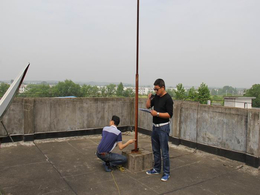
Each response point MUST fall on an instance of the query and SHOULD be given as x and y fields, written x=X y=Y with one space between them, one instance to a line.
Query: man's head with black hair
x=159 y=87
x=116 y=120
x=159 y=82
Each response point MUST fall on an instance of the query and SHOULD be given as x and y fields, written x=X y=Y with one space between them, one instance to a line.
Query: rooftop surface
x=69 y=166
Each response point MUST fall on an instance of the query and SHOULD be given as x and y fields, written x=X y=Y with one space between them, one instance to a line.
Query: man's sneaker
x=107 y=168
x=165 y=177
x=152 y=172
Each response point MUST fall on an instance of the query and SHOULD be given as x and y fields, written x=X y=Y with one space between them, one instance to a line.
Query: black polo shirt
x=162 y=104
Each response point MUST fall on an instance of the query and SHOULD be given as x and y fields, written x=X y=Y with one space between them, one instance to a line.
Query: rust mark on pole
x=136 y=82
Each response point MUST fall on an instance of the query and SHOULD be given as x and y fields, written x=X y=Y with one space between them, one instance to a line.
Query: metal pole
x=137 y=81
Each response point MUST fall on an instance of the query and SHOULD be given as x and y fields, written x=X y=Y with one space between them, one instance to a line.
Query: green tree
x=214 y=92
x=34 y=90
x=86 y=90
x=227 y=90
x=110 y=90
x=203 y=93
x=193 y=94
x=95 y=91
x=120 y=90
x=89 y=91
x=67 y=88
x=103 y=91
x=180 y=92
x=171 y=92
x=254 y=91
x=128 y=93
x=3 y=88
x=218 y=99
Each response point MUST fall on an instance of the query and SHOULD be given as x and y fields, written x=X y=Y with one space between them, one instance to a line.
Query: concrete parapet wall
x=42 y=115
x=233 y=129
x=222 y=128
x=253 y=133
x=14 y=118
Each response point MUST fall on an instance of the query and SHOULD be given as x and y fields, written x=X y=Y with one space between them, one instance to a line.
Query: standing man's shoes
x=165 y=177
x=152 y=172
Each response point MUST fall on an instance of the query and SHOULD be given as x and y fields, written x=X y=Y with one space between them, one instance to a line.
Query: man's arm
x=121 y=146
x=161 y=115
x=148 y=102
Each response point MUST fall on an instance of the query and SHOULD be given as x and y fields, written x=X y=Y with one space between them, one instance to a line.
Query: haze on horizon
x=181 y=41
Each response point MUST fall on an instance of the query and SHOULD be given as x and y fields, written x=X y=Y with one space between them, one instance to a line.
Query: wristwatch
x=158 y=114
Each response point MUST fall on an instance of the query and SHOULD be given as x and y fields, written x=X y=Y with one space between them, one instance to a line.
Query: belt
x=103 y=153
x=161 y=124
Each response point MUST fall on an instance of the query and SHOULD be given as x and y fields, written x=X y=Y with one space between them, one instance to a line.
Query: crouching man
x=111 y=137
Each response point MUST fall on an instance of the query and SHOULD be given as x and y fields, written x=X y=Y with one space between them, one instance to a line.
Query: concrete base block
x=142 y=160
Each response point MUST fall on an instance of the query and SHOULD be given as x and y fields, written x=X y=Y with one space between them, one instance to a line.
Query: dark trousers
x=113 y=159
x=160 y=137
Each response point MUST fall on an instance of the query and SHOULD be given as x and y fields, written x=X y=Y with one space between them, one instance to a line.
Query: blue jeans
x=113 y=159
x=160 y=137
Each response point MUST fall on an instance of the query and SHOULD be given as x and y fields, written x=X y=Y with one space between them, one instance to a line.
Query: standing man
x=111 y=137
x=162 y=111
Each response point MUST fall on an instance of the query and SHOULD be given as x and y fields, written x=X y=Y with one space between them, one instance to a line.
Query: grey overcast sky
x=182 y=41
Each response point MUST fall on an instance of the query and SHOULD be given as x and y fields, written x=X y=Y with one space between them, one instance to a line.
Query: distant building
x=239 y=102
x=143 y=90
x=22 y=88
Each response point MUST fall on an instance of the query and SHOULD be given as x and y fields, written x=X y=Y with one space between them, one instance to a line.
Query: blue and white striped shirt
x=110 y=137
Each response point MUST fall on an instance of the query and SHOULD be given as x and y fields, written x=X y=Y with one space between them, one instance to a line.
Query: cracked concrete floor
x=68 y=166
